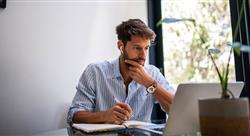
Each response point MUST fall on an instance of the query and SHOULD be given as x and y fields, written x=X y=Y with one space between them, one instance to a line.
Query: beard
x=139 y=60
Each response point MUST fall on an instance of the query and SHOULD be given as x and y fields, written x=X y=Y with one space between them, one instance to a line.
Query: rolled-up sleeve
x=84 y=99
x=163 y=82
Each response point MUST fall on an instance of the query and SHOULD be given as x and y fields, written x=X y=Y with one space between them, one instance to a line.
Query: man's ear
x=120 y=46
x=121 y=49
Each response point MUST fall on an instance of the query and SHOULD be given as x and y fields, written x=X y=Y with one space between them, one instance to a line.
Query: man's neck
x=124 y=71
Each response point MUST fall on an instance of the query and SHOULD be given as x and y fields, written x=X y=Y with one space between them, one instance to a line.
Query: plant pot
x=224 y=117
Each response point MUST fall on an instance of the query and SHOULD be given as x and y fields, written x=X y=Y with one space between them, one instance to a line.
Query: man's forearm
x=89 y=117
x=165 y=98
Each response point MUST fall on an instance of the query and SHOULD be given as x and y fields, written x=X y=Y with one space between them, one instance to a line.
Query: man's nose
x=143 y=53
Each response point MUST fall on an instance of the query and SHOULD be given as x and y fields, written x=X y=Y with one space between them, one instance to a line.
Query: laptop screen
x=183 y=115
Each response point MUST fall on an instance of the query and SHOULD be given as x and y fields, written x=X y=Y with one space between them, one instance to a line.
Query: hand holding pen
x=119 y=113
x=116 y=100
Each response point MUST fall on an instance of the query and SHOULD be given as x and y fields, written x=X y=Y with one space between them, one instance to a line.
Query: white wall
x=44 y=47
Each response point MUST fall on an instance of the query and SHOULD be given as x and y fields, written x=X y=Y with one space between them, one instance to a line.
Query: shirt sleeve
x=161 y=80
x=84 y=99
x=164 y=83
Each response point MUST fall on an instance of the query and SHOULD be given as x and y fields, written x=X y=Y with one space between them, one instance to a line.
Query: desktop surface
x=125 y=132
x=73 y=132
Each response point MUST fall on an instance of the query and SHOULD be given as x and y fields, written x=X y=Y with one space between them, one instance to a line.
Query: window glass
x=185 y=42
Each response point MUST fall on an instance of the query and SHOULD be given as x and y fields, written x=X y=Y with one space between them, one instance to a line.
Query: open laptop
x=183 y=116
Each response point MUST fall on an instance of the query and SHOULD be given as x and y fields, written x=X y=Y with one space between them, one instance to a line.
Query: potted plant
x=225 y=116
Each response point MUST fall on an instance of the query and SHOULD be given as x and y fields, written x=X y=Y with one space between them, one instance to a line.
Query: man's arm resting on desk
x=119 y=113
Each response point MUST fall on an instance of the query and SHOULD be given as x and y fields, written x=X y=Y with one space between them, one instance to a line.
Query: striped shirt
x=100 y=83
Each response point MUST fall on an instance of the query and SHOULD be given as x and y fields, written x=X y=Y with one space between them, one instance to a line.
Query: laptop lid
x=183 y=116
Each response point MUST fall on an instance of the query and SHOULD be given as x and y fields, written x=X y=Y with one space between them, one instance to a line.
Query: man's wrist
x=151 y=89
x=149 y=83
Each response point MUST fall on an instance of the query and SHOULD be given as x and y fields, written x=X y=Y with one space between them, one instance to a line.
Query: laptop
x=183 y=116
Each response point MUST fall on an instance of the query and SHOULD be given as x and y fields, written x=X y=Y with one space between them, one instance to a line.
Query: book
x=90 y=128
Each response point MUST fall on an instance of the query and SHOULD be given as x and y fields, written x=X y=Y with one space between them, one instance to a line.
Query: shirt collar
x=115 y=69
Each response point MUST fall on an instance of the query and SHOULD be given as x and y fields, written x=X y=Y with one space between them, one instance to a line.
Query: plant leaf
x=214 y=51
x=173 y=20
x=236 y=46
x=216 y=67
x=159 y=23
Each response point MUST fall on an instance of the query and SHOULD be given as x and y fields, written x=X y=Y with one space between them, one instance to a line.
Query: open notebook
x=90 y=128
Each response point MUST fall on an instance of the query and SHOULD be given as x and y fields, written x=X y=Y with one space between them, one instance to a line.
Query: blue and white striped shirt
x=100 y=83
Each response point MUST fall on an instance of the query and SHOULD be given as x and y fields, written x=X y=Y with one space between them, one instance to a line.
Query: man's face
x=137 y=49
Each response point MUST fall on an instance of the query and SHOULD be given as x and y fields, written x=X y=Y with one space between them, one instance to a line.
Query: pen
x=116 y=100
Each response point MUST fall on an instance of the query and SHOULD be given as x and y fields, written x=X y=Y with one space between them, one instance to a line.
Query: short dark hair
x=134 y=27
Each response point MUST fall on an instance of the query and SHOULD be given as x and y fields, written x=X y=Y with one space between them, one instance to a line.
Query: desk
x=72 y=132
x=128 y=132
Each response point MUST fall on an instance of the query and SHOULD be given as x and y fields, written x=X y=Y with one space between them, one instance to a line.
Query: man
x=124 y=89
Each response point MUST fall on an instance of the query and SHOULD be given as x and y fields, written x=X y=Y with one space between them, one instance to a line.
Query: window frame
x=242 y=62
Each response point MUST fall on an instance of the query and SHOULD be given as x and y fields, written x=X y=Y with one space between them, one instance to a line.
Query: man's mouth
x=141 y=61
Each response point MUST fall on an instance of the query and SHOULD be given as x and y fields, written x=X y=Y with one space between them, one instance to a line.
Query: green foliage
x=187 y=59
x=186 y=56
x=238 y=48
x=223 y=73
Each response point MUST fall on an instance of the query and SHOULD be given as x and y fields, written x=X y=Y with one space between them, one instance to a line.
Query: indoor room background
x=44 y=47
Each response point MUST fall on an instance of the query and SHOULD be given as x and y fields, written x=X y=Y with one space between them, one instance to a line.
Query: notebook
x=183 y=116
x=90 y=128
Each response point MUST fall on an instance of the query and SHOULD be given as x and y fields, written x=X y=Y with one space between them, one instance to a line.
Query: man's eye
x=137 y=48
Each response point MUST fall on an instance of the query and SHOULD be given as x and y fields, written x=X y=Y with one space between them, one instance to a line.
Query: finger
x=134 y=69
x=120 y=116
x=126 y=107
x=135 y=76
x=122 y=110
x=134 y=72
x=118 y=122
x=117 y=119
x=133 y=63
x=120 y=104
x=116 y=115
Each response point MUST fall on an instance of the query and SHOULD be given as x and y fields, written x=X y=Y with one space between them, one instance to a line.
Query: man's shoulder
x=152 y=68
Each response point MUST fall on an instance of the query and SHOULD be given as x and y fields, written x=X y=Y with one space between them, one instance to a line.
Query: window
x=204 y=24
x=213 y=19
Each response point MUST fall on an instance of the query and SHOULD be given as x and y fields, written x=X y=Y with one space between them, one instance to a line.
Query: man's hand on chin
x=138 y=73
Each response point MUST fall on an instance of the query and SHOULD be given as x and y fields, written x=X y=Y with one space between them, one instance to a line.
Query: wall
x=44 y=47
